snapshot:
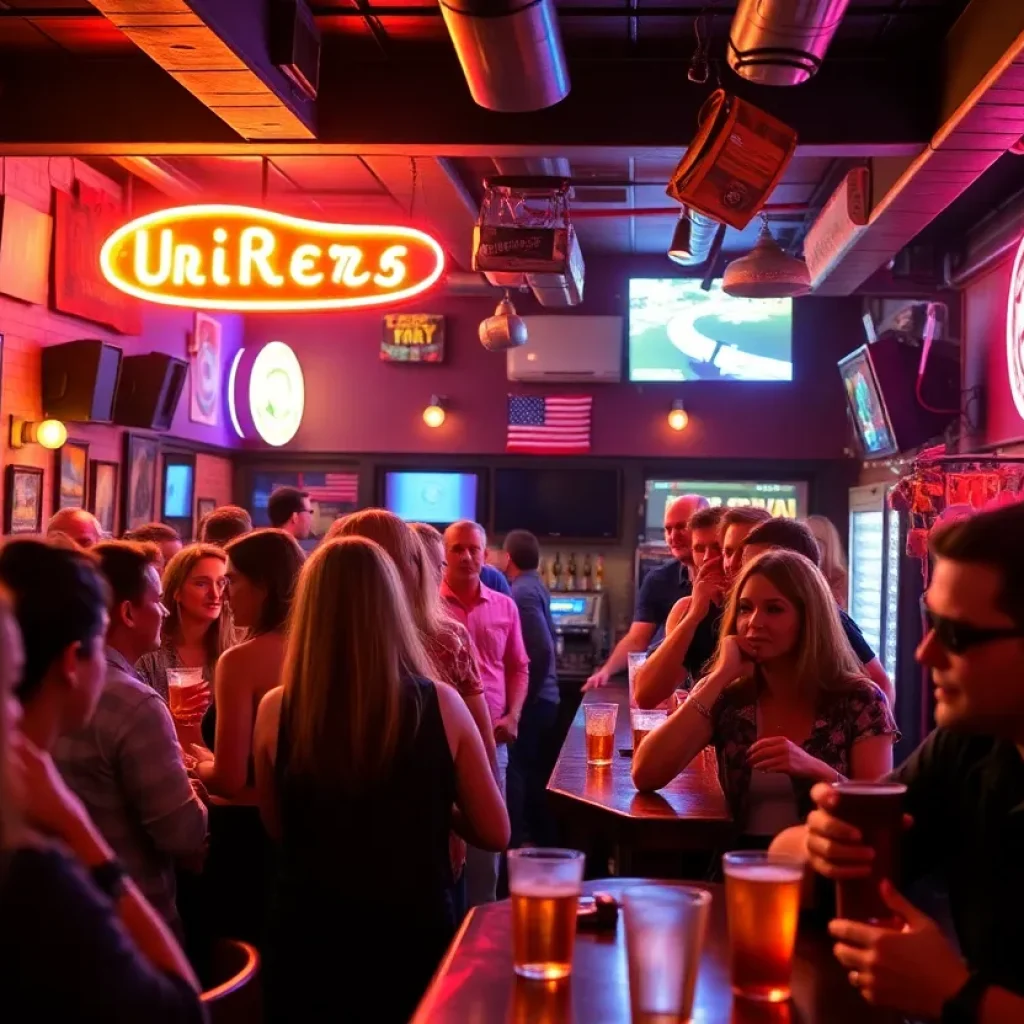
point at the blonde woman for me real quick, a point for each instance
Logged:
(360, 760)
(833, 557)
(785, 705)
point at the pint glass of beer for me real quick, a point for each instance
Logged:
(644, 722)
(182, 685)
(599, 721)
(545, 889)
(762, 896)
(634, 661)
(876, 809)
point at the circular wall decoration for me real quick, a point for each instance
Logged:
(1015, 331)
(276, 393)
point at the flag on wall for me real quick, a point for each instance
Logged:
(549, 426)
(334, 488)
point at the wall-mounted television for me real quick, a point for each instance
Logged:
(178, 489)
(436, 497)
(866, 404)
(786, 499)
(582, 504)
(679, 332)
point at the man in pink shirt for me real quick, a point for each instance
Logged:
(493, 623)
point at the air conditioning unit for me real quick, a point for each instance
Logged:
(569, 349)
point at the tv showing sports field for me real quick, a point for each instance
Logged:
(678, 331)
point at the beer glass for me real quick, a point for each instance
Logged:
(762, 898)
(634, 659)
(545, 889)
(643, 722)
(876, 809)
(599, 723)
(182, 685)
(665, 927)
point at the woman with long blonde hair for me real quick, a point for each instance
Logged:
(360, 760)
(786, 703)
(833, 557)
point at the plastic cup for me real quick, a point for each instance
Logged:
(599, 724)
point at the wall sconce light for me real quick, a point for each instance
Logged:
(47, 434)
(678, 418)
(434, 414)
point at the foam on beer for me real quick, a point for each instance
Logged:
(765, 872)
(545, 890)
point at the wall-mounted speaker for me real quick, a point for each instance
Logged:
(150, 388)
(80, 380)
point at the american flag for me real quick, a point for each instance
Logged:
(336, 488)
(549, 426)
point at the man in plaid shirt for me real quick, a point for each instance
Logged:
(126, 765)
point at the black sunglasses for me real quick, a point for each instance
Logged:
(958, 637)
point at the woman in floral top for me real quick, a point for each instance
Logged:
(786, 704)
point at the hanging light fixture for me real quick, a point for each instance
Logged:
(434, 414)
(678, 417)
(679, 251)
(766, 272)
(505, 330)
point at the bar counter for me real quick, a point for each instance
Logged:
(592, 803)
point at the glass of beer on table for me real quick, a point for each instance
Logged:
(634, 660)
(875, 809)
(599, 722)
(545, 888)
(183, 686)
(762, 896)
(643, 722)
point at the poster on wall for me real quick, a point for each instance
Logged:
(412, 338)
(103, 494)
(23, 500)
(331, 494)
(205, 370)
(72, 475)
(141, 454)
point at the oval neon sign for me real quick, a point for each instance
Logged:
(240, 258)
(1015, 331)
(277, 394)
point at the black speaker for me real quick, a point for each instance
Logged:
(80, 380)
(150, 388)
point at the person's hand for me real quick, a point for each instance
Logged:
(735, 656)
(778, 754)
(48, 803)
(506, 729)
(914, 970)
(597, 679)
(201, 753)
(709, 586)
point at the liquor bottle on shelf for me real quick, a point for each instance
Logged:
(556, 572)
(588, 572)
(542, 571)
(571, 582)
(599, 573)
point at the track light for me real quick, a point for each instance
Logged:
(678, 418)
(434, 414)
(47, 434)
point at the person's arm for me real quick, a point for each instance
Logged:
(268, 722)
(227, 772)
(867, 657)
(536, 640)
(877, 674)
(481, 817)
(660, 675)
(637, 639)
(871, 758)
(517, 667)
(481, 715)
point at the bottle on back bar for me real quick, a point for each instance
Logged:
(556, 572)
(571, 582)
(588, 572)
(599, 573)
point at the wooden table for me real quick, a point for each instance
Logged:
(476, 983)
(690, 813)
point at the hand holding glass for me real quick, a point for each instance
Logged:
(185, 687)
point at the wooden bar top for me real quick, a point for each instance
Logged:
(475, 981)
(692, 798)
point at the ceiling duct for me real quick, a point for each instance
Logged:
(782, 42)
(510, 51)
(692, 238)
(766, 272)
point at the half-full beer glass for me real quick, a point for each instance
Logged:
(182, 685)
(599, 722)
(545, 889)
(644, 722)
(762, 895)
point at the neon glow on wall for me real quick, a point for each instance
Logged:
(276, 394)
(1015, 331)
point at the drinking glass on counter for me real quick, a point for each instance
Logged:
(545, 887)
(876, 809)
(599, 722)
(634, 659)
(183, 686)
(644, 722)
(665, 927)
(762, 897)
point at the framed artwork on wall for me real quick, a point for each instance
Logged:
(103, 494)
(23, 500)
(204, 370)
(204, 506)
(72, 476)
(141, 456)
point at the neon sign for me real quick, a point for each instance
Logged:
(238, 258)
(277, 393)
(1015, 331)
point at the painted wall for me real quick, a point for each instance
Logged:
(355, 403)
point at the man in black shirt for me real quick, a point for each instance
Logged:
(965, 798)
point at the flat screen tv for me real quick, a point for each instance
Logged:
(177, 491)
(866, 404)
(787, 499)
(678, 331)
(582, 504)
(438, 498)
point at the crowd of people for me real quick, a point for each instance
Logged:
(377, 725)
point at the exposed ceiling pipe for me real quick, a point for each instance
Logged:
(460, 282)
(510, 51)
(702, 234)
(782, 43)
(673, 211)
(993, 241)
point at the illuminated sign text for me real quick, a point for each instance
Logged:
(240, 258)
(1015, 331)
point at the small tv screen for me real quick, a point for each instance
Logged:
(784, 499)
(435, 498)
(864, 399)
(583, 504)
(678, 331)
(177, 491)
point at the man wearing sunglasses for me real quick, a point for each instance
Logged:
(965, 798)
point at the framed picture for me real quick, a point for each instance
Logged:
(204, 506)
(204, 375)
(72, 475)
(103, 494)
(23, 504)
(138, 489)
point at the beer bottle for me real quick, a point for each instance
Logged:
(571, 583)
(599, 573)
(556, 571)
(588, 571)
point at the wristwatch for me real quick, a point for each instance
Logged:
(964, 1007)
(109, 878)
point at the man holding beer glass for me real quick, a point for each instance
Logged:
(964, 798)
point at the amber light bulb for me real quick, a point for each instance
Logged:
(434, 414)
(51, 434)
(678, 418)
